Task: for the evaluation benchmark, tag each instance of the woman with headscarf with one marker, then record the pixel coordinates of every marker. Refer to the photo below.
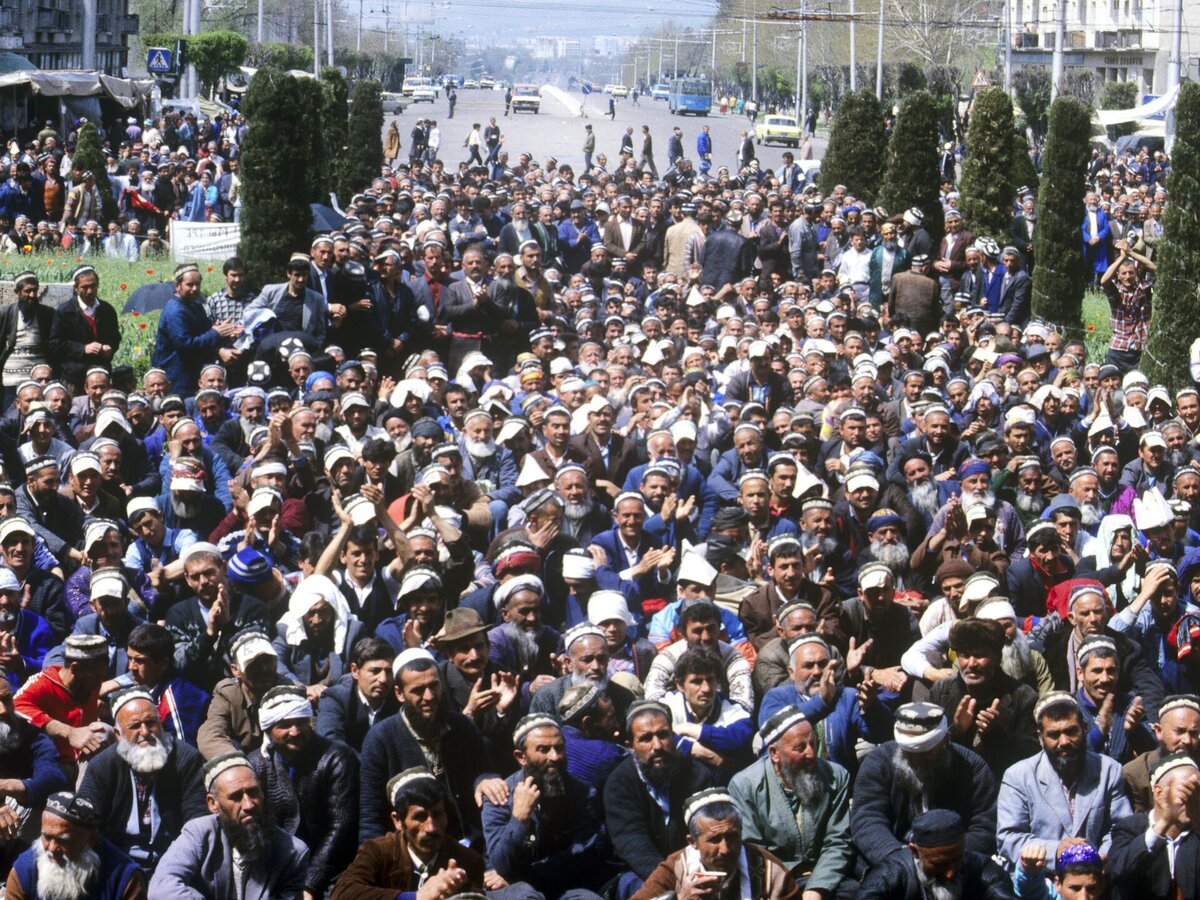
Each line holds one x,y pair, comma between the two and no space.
316,635
1115,559
982,412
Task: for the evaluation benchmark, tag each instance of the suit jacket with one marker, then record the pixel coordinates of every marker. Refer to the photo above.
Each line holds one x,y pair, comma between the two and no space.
622,456
8,327
779,391
875,272
640,835
614,243
1031,807
1012,737
1014,298
178,795
70,333
199,866
383,869
958,258
315,319
342,716
819,843
757,611
1137,872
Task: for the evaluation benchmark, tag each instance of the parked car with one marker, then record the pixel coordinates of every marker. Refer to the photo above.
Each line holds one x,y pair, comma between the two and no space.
778,130
394,103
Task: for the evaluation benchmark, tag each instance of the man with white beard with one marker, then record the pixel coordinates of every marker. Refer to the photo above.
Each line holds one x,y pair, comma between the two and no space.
797,804
885,528
72,861
587,651
147,784
490,466
1029,499
936,865
974,478
925,493
582,517
1084,486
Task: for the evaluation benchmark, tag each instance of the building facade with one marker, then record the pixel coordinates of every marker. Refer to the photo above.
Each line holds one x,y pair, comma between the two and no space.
50,33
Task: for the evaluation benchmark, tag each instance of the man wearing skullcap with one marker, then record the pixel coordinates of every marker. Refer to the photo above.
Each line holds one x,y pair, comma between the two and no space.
1178,731
71,860
717,861
1115,720
938,861
148,783
419,853
300,772
611,455
1156,853
550,833
747,454
84,332
236,849
587,652
593,732
24,333
187,338
297,306
637,553
921,768
56,519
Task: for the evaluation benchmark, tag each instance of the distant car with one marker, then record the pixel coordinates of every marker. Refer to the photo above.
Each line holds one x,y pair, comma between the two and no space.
451,81
423,93
609,88
487,82
778,130
660,92
527,98
619,90
394,103
470,85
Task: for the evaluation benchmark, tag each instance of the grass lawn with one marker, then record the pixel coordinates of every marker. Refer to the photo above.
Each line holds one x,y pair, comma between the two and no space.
1095,323
118,279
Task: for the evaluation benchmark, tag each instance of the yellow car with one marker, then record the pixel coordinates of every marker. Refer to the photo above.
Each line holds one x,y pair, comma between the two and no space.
778,130
619,90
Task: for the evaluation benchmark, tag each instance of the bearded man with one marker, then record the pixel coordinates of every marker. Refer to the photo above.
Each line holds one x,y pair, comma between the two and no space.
1032,806
492,467
582,517
796,804
1084,485
885,528
550,832
147,785
587,651
72,861
236,849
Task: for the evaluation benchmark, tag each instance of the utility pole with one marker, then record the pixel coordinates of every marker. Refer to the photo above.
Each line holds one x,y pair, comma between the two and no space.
854,51
316,37
1008,46
800,98
89,34
259,32
329,30
804,70
358,42
1174,72
754,83
1056,68
660,56
878,55
713,64
675,73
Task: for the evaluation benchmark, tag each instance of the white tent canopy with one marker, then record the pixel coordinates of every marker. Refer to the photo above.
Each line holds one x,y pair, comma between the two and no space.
1155,107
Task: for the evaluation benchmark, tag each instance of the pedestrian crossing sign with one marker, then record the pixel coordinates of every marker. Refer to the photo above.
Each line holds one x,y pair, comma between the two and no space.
158,60
981,80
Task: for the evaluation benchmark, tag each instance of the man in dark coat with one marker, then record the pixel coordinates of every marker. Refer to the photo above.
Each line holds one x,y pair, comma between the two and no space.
342,714
920,768
187,340
1015,288
34,321
915,295
726,257
84,332
761,384
144,820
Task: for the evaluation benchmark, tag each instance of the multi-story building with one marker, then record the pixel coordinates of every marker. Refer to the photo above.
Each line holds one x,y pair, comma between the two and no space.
50,33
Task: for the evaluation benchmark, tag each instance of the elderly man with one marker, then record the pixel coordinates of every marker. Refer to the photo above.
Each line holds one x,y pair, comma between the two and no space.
1066,791
716,863
418,854
587,652
426,731
187,338
523,644
235,851
24,333
921,768
72,861
644,796
797,805
550,833
147,784
1178,731
1157,853
301,773
937,863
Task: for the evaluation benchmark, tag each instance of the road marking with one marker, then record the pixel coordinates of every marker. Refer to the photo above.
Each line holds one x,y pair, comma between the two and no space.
572,105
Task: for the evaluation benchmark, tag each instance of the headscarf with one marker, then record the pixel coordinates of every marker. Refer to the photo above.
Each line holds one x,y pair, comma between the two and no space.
308,593
983,388
1109,526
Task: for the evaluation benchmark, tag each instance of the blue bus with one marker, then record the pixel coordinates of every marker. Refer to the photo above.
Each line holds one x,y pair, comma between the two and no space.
690,95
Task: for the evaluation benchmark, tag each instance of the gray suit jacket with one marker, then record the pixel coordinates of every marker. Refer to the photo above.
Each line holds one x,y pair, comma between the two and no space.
199,866
315,320
1032,808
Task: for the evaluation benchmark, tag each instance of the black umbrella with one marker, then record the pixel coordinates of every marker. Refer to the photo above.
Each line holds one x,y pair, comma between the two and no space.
326,218
150,297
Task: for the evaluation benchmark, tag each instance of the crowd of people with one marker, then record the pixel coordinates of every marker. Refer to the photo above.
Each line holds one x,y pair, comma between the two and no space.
558,535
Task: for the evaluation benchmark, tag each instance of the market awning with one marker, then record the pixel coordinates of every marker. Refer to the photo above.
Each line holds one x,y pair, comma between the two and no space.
72,83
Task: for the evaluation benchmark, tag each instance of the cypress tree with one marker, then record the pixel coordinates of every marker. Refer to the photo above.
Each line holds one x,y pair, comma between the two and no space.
89,157
987,185
318,180
364,141
1176,304
335,110
276,217
1059,277
857,147
912,161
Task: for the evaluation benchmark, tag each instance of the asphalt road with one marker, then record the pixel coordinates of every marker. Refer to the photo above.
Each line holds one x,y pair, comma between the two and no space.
558,130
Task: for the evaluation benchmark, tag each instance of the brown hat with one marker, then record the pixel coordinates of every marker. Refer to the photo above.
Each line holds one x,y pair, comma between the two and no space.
953,568
459,623
976,634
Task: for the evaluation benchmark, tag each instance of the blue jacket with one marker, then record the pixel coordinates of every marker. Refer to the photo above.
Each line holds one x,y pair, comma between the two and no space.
703,144
729,468
216,479
843,724
34,640
500,470
691,484
649,585
186,342
117,869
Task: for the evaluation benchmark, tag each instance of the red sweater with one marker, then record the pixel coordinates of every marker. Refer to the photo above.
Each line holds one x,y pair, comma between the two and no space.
44,697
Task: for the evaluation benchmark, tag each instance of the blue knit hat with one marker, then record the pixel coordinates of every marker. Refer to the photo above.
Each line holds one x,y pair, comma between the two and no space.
249,567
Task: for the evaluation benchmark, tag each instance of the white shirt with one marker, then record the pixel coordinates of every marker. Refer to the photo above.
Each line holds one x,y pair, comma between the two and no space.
1093,223
372,711
854,267
626,227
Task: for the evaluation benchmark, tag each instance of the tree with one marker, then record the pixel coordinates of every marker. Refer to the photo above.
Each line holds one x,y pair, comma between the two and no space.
1120,95
335,111
1059,277
215,54
987,182
321,177
1023,172
364,140
1031,84
857,147
89,157
912,161
276,218
1176,306
281,56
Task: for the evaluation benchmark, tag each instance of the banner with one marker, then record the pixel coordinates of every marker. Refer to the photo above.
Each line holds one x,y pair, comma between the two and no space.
191,241
1155,107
